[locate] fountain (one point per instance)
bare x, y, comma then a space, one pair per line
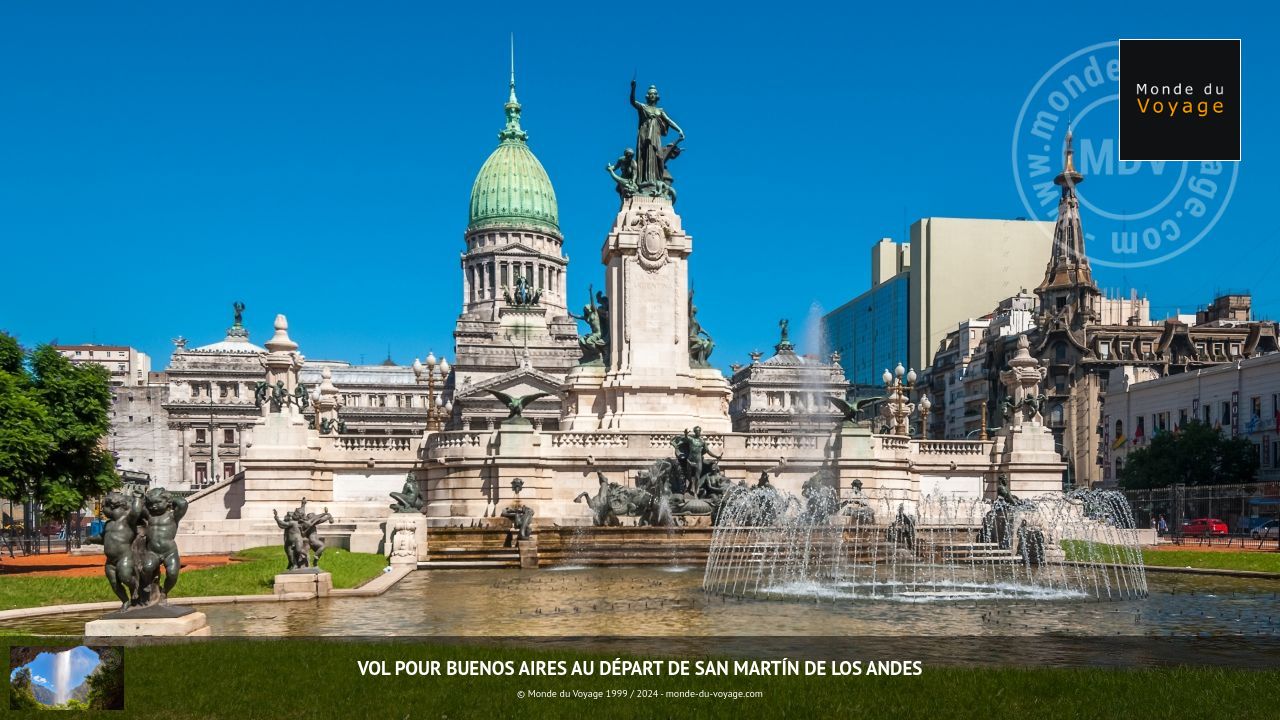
937, 546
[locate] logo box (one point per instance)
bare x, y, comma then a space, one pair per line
1180, 100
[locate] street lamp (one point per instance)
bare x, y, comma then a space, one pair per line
898, 393
925, 405
433, 370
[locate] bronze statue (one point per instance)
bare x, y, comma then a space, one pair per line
595, 344
650, 173
784, 324
690, 450
516, 405
408, 499
300, 535
850, 412
162, 511
239, 310
293, 547
602, 512
1002, 490
623, 173
139, 541
123, 514
523, 295
700, 343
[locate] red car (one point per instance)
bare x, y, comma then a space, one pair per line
1204, 526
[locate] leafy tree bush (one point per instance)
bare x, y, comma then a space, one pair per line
53, 417
1195, 455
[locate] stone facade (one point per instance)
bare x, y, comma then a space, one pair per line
787, 393
501, 340
1241, 398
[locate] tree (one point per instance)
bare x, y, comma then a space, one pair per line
1195, 455
53, 417
20, 695
106, 682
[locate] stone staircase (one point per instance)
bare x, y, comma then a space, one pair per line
468, 548
463, 548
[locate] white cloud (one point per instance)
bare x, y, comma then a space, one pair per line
40, 680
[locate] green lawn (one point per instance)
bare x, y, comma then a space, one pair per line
252, 575
243, 679
1210, 559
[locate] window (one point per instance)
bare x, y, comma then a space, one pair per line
1104, 350
228, 436
1055, 415
200, 435
202, 473
1235, 349
1182, 417
1060, 352
1225, 417
228, 469
1124, 347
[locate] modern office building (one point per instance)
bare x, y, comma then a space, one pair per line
922, 289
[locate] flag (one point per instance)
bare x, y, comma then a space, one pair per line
1119, 443
1254, 422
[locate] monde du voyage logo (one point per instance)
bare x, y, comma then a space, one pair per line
1158, 175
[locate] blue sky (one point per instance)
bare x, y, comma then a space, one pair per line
83, 661
161, 160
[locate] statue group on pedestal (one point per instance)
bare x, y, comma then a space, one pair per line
689, 484
139, 540
302, 546
595, 344
643, 170
523, 295
280, 396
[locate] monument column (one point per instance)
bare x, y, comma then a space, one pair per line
646, 368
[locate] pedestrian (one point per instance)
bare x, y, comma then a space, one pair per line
1162, 527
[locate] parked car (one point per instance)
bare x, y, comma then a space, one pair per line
1204, 526
1266, 530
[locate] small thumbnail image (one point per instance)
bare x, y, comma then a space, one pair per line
66, 678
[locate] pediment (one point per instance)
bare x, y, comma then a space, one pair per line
516, 383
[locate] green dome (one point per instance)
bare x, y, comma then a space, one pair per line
512, 190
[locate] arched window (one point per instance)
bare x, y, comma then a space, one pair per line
1055, 415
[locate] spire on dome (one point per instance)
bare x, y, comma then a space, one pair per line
513, 132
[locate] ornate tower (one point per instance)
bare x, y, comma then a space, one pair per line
1069, 304
1068, 295
513, 333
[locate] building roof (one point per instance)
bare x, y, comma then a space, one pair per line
512, 189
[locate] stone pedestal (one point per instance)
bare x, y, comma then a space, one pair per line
528, 553
406, 538
649, 384
1031, 460
311, 581
179, 622
369, 537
